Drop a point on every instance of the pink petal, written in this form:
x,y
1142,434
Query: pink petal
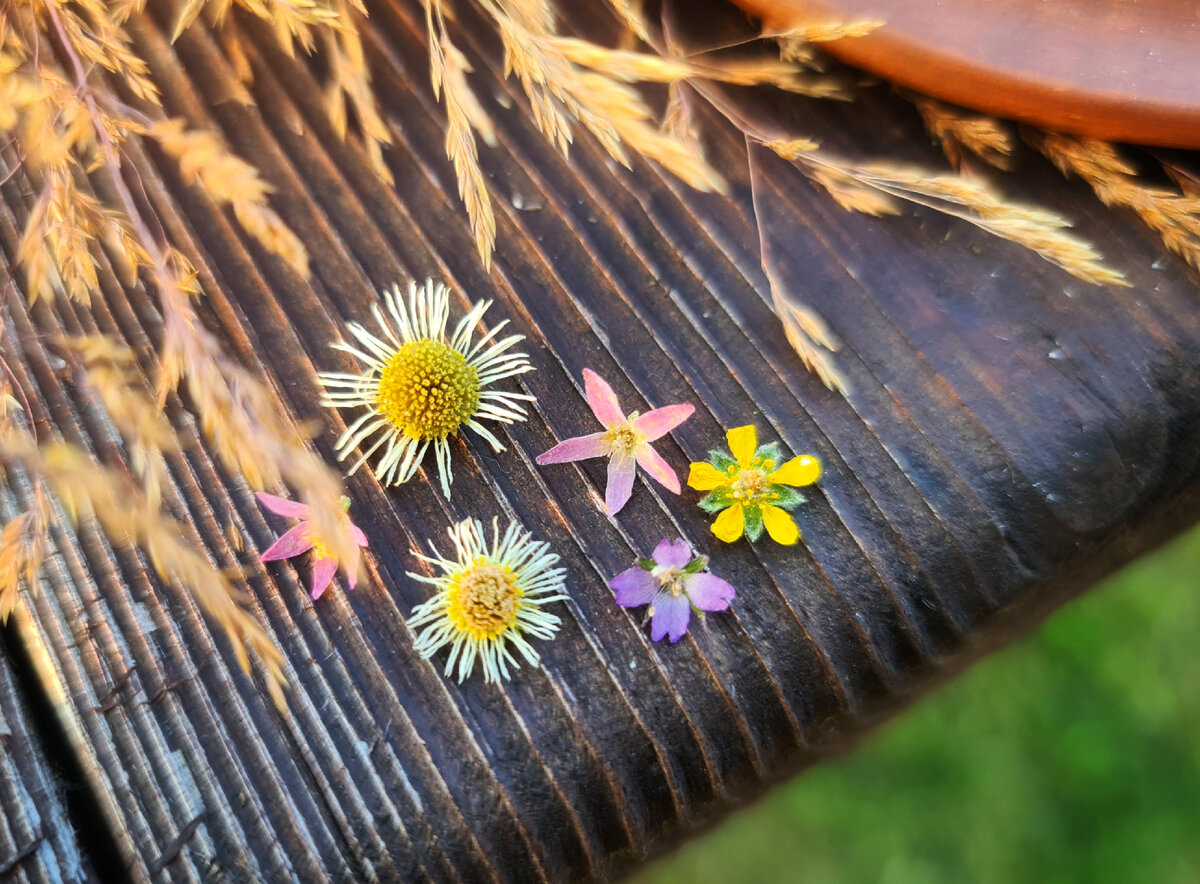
x,y
671,616
658,468
351,570
672,553
282,506
357,534
602,399
708,592
634,587
322,575
293,542
661,421
578,448
620,483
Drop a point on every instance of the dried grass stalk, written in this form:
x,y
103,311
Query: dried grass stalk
x,y
1173,215
873,188
109,370
204,160
465,117
960,133
89,490
237,412
22,551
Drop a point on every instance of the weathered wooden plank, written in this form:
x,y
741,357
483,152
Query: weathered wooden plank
x,y
1011,435
37,837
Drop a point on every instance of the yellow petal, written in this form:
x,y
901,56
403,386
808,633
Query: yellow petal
x,y
802,470
780,525
705,477
730,524
742,443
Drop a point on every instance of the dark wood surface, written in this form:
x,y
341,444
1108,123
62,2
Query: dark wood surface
x,y
1011,436
37,837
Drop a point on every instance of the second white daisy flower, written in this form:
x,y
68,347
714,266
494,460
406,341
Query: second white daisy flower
x,y
489,599
420,387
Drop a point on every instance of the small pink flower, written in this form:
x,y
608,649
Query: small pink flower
x,y
299,539
625,442
672,582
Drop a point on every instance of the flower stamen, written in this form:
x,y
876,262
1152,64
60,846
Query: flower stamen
x,y
483,599
428,390
623,438
750,485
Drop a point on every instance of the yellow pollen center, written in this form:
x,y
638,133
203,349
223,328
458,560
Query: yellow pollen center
x,y
483,599
670,578
623,438
750,485
428,390
320,550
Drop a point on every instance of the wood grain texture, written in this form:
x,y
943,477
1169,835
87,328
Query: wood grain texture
x,y
37,838
1012,435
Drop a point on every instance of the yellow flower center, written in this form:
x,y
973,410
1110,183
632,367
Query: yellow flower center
x,y
428,390
670,577
750,485
320,550
483,599
623,438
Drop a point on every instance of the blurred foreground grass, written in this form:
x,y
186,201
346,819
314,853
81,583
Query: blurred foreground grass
x,y
1073,756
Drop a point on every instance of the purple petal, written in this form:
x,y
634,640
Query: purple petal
x,y
658,468
578,448
293,542
357,534
708,592
635,587
283,506
620,483
671,616
672,553
661,421
322,575
602,399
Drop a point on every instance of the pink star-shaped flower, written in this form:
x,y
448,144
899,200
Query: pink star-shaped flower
x,y
299,539
625,442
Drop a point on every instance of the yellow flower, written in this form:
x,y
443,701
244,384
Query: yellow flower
x,y
420,386
749,490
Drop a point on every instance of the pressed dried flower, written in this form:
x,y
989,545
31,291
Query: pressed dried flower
x,y
673,582
625,442
420,387
749,489
489,598
300,538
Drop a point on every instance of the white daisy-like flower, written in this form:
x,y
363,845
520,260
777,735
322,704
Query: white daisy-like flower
x,y
419,387
489,599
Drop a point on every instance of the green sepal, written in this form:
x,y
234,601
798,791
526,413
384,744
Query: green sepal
x,y
769,451
696,565
717,500
647,564
754,523
784,497
722,461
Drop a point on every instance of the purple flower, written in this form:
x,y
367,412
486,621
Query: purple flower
x,y
299,539
625,442
672,582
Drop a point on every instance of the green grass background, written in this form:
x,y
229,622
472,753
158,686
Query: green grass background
x,y
1073,756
